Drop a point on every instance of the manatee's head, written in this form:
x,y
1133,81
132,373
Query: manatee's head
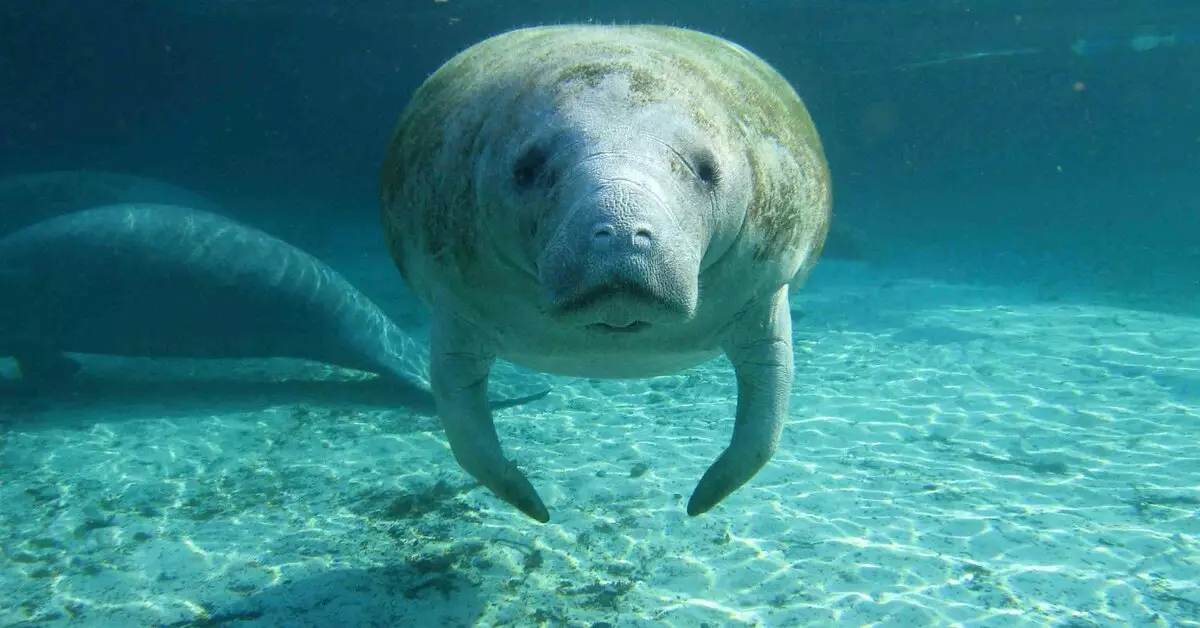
x,y
620,242
616,193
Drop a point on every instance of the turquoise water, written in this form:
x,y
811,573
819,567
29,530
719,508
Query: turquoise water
x,y
957,455
995,416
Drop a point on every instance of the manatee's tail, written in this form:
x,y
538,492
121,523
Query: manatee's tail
x,y
420,398
406,362
497,404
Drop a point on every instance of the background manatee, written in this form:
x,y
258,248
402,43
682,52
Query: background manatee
x,y
166,281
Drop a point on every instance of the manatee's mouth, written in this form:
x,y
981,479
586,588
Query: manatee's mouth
x,y
617,308
633,327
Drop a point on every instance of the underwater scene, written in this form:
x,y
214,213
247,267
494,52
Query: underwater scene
x,y
636,313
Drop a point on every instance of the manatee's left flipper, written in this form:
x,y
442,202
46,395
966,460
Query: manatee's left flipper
x,y
760,348
45,366
459,365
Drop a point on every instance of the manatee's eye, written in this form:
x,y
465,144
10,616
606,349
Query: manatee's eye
x,y
705,166
529,166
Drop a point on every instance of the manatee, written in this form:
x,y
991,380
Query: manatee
x,y
606,202
153,280
27,199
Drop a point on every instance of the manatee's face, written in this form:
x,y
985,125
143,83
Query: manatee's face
x,y
616,205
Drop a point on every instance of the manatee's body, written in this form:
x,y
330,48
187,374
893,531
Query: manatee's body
x,y
607,202
165,281
31,198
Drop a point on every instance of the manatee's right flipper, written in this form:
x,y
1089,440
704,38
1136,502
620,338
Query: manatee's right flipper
x,y
46,367
459,367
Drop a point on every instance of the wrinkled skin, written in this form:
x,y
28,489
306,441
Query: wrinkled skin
x,y
606,202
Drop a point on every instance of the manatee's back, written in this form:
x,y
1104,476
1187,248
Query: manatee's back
x,y
27,199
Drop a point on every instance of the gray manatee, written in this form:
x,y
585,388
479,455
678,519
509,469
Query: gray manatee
x,y
27,199
166,281
612,202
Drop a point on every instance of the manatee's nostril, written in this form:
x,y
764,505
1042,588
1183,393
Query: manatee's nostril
x,y
643,237
605,236
602,236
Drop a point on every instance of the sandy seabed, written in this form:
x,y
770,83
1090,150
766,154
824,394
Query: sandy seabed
x,y
957,455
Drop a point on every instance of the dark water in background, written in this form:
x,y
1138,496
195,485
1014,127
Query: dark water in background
x,y
1078,171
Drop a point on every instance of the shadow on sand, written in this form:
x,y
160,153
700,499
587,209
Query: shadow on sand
x,y
414,593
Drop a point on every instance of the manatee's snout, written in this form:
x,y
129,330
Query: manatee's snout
x,y
620,262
